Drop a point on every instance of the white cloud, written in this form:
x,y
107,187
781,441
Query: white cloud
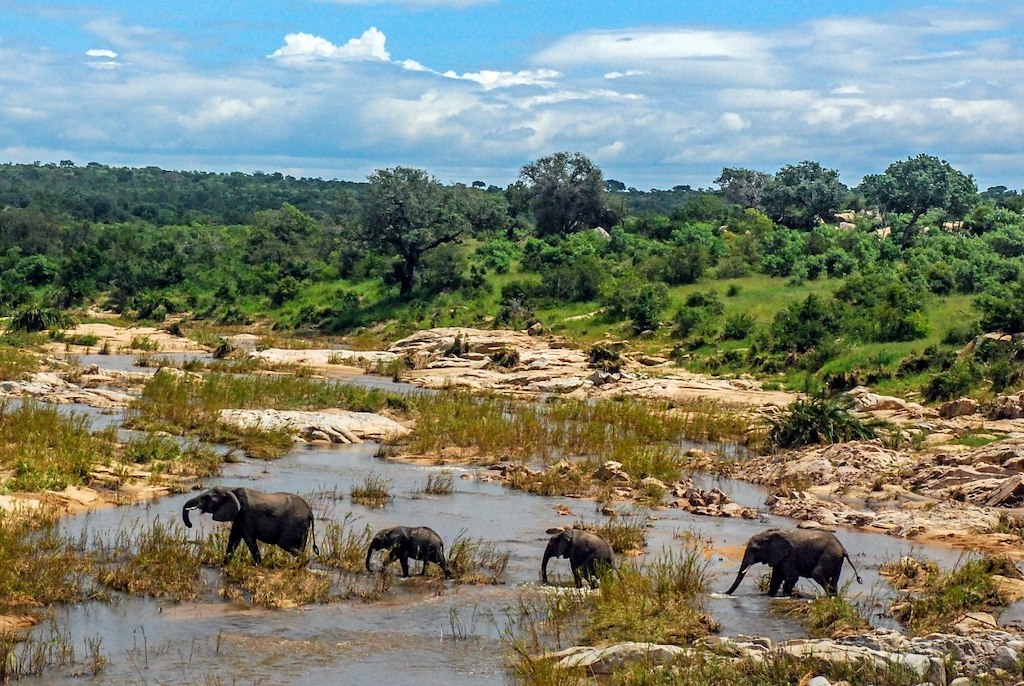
x,y
641,46
305,47
504,79
733,121
623,74
101,53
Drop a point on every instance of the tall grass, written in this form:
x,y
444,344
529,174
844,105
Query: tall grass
x,y
644,437
477,561
156,560
345,543
39,566
188,404
16,365
375,491
43,448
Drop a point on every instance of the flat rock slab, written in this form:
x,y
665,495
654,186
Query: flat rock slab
x,y
336,426
324,357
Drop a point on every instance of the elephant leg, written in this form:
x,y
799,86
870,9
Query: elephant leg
x,y
788,584
576,576
250,541
403,560
775,582
234,538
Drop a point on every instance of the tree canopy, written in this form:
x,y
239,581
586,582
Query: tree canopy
x,y
918,184
801,195
566,192
410,213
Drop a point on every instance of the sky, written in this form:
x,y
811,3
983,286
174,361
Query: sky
x,y
657,93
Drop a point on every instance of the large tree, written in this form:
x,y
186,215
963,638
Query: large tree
x,y
566,192
801,195
918,184
743,187
410,212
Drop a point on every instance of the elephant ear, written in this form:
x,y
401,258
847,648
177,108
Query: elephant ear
x,y
779,548
228,509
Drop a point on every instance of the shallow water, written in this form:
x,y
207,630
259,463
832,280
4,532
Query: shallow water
x,y
414,633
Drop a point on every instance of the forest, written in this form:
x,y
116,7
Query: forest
x,y
789,276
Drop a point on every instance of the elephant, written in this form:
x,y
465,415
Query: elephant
x,y
587,553
283,519
402,542
794,553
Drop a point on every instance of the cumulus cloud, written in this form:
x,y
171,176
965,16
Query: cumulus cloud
x,y
305,47
505,79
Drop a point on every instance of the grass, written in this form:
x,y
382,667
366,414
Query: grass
x,y
168,456
626,532
345,543
440,483
935,600
644,437
824,616
42,448
817,420
16,365
190,404
375,491
39,566
157,560
476,561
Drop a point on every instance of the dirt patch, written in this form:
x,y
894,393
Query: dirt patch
x,y
131,339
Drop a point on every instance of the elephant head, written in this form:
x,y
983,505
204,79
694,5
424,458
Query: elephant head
x,y
382,540
768,547
560,545
220,502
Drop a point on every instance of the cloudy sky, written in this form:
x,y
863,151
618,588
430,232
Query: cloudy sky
x,y
656,92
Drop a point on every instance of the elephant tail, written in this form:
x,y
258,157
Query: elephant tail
x,y
856,574
312,534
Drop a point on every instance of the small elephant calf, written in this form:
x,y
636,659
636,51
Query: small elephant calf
x,y
587,553
282,519
403,542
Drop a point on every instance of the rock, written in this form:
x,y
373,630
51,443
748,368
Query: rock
x,y
819,681
338,426
958,408
1010,492
611,472
652,360
610,658
972,622
535,329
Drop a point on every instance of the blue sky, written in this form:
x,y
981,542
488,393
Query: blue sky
x,y
656,92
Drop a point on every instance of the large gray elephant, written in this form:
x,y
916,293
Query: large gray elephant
x,y
283,519
402,542
588,553
794,553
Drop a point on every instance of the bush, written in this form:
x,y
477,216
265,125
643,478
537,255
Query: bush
x,y
957,381
818,420
639,300
31,319
738,326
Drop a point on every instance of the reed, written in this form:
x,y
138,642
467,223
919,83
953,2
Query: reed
x,y
440,483
476,561
626,531
157,560
375,491
345,543
39,565
42,448
16,365
825,616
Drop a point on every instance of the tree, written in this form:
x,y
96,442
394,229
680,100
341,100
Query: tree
x,y
802,195
743,187
918,184
411,213
566,192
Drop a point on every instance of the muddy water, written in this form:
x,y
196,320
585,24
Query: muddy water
x,y
415,634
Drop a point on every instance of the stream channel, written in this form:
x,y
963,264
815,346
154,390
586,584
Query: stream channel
x,y
414,634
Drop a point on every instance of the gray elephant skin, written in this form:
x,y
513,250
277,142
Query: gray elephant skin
x,y
404,542
588,553
795,553
281,519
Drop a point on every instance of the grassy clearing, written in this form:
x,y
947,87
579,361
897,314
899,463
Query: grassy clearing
x,y
476,561
576,436
158,560
42,448
935,600
375,491
38,565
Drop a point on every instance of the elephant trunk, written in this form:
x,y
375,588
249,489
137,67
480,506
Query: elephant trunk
x,y
739,578
549,552
192,504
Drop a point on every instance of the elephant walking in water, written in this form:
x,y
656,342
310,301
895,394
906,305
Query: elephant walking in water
x,y
282,519
588,553
403,542
795,553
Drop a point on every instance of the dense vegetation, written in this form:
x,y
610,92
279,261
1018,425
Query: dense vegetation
x,y
789,274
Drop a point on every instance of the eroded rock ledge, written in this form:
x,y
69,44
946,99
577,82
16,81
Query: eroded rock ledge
x,y
333,426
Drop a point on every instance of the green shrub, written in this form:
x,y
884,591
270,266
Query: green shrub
x,y
33,318
818,420
957,381
738,326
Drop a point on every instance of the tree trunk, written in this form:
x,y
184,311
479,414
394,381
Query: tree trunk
x,y
408,274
